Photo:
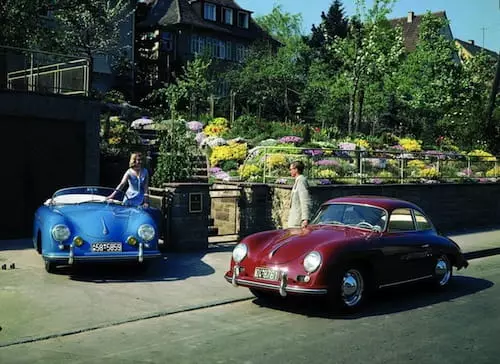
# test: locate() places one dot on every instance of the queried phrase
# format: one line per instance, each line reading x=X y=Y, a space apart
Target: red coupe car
x=352 y=246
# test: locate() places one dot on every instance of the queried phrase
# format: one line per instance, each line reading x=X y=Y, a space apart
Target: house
x=410 y=26
x=468 y=50
x=171 y=32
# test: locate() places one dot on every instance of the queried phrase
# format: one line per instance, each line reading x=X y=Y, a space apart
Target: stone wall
x=452 y=207
x=224 y=209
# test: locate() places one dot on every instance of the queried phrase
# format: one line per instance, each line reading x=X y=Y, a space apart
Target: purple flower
x=281 y=181
x=397 y=147
x=326 y=162
x=200 y=137
x=221 y=175
x=325 y=181
x=313 y=152
x=376 y=181
x=290 y=139
x=215 y=170
x=195 y=126
x=347 y=146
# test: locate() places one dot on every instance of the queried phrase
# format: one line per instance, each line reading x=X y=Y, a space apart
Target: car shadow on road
x=16 y=244
x=170 y=267
x=383 y=302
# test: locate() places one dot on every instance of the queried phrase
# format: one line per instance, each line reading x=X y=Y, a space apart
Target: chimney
x=411 y=15
x=471 y=41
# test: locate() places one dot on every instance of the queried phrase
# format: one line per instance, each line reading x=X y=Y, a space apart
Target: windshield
x=362 y=216
x=76 y=195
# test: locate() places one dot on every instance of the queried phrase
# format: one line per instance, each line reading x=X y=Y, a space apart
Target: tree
x=427 y=81
x=270 y=80
x=333 y=25
x=91 y=27
x=192 y=88
x=371 y=49
x=23 y=24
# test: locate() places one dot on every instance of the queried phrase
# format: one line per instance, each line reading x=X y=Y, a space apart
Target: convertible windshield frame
x=85 y=194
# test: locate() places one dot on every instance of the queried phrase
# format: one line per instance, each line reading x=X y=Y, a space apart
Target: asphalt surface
x=459 y=325
x=99 y=307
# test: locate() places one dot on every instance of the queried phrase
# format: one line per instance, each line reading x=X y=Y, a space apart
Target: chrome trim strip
x=407 y=281
x=52 y=257
x=311 y=291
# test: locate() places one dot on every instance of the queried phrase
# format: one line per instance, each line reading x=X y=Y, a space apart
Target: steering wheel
x=365 y=224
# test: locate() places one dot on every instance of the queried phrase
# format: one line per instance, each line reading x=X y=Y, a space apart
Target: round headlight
x=240 y=252
x=312 y=261
x=60 y=232
x=146 y=232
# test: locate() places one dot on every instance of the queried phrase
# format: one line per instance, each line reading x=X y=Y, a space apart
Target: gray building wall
x=48 y=142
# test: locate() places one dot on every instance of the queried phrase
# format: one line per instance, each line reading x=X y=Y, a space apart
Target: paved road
x=460 y=325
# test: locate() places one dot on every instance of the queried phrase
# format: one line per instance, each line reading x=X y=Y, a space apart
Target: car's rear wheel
x=443 y=271
x=50 y=267
x=348 y=289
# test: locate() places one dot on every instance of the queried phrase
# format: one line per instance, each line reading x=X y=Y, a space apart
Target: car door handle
x=425 y=246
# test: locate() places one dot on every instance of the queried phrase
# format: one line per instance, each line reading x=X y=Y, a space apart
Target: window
x=166 y=41
x=241 y=52
x=422 y=222
x=227 y=16
x=195 y=202
x=401 y=220
x=209 y=11
x=197 y=44
x=243 y=20
x=229 y=50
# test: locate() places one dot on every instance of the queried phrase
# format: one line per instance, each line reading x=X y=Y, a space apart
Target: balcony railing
x=43 y=72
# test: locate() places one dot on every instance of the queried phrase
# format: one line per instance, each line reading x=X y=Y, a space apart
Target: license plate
x=106 y=247
x=268 y=274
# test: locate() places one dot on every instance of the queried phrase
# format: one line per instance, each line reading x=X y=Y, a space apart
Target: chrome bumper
x=71 y=258
x=281 y=286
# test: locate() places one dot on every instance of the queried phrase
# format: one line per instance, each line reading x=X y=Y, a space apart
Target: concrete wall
x=48 y=142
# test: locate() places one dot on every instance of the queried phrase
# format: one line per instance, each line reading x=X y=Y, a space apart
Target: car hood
x=98 y=220
x=290 y=244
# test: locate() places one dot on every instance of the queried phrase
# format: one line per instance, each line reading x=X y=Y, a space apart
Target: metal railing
x=45 y=72
x=340 y=166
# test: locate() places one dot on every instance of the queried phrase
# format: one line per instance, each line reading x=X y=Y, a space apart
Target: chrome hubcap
x=442 y=270
x=352 y=287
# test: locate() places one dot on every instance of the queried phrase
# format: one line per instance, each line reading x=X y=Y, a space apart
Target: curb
x=482 y=253
x=126 y=321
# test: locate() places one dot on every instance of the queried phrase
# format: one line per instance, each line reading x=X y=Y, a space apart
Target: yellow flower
x=248 y=170
x=494 y=172
x=416 y=164
x=327 y=173
x=483 y=156
x=361 y=143
x=429 y=173
x=237 y=152
x=410 y=145
x=276 y=160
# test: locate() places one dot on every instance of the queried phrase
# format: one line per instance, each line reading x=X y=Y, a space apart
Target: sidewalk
x=36 y=305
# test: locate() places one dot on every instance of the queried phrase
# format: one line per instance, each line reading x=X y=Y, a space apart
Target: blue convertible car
x=80 y=224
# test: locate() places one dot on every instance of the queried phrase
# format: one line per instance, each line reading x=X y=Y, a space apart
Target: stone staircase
x=200 y=173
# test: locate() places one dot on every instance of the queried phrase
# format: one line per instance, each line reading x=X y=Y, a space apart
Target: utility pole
x=483 y=29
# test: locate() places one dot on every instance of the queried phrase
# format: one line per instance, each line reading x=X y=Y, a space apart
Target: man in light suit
x=300 y=202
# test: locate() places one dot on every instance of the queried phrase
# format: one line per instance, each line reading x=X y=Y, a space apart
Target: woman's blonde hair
x=131 y=162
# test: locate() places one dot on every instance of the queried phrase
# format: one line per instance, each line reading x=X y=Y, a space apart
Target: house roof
x=410 y=25
x=474 y=49
x=180 y=12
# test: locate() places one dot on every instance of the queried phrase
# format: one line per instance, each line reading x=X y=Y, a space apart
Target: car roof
x=387 y=203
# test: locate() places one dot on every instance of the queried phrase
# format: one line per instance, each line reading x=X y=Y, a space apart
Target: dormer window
x=209 y=12
x=227 y=16
x=243 y=20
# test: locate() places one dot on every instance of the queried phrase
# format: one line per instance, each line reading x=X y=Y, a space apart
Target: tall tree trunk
x=359 y=110
x=350 y=121
x=490 y=128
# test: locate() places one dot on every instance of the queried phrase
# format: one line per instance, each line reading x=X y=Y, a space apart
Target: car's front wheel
x=443 y=271
x=50 y=267
x=348 y=289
